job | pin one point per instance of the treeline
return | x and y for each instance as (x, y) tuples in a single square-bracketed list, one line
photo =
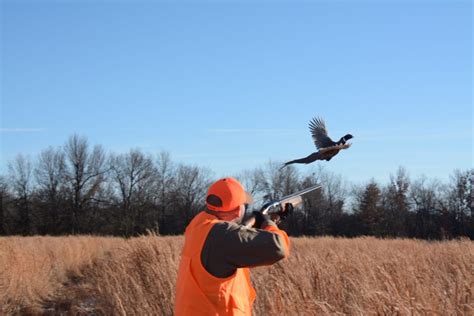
[(79, 189)]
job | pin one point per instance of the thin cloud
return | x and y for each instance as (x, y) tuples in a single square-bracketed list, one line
[(21, 130), (249, 130)]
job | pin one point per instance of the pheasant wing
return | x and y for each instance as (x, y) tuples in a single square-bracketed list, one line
[(319, 133)]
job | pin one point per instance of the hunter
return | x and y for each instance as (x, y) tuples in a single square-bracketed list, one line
[(214, 275)]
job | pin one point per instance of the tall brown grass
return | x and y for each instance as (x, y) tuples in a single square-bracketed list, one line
[(34, 269), (322, 276)]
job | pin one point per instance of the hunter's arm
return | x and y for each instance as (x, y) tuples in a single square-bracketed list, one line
[(230, 246)]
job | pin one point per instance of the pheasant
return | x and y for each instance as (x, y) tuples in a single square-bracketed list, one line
[(327, 148)]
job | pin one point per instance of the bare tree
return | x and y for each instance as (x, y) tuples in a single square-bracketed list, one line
[(335, 192), (165, 173), (308, 220), (277, 183), (427, 200), (395, 204), (85, 172), (460, 201), (254, 182), (50, 177), (132, 174), (20, 171), (4, 197), (189, 192)]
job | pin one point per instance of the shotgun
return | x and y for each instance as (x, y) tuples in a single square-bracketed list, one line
[(278, 206)]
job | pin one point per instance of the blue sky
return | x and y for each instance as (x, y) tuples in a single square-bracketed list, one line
[(232, 85)]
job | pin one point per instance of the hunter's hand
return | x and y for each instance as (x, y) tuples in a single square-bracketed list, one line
[(276, 218), (260, 218), (287, 211)]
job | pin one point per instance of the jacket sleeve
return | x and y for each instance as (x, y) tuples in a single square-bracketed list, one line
[(286, 241), (230, 246)]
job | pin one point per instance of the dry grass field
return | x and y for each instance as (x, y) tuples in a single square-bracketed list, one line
[(323, 276)]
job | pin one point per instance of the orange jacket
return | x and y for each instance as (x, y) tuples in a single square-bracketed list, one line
[(200, 293)]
